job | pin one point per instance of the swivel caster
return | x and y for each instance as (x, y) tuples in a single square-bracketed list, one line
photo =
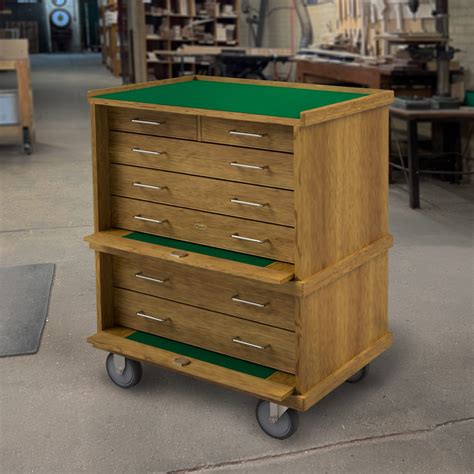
[(360, 375), (277, 421), (122, 371)]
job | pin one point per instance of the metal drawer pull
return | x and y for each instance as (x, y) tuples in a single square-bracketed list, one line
[(149, 186), (144, 277), (246, 134), (250, 167), (148, 219), (251, 303), (146, 152), (248, 239), (153, 318), (237, 340), (247, 203), (146, 122)]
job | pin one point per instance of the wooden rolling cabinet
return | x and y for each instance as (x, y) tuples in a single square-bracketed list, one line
[(241, 235)]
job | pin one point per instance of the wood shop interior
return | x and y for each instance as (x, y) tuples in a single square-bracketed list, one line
[(53, 52)]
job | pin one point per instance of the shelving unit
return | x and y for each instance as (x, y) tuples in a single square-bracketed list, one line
[(170, 24), (109, 36)]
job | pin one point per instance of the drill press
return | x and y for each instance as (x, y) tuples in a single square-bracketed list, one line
[(443, 53)]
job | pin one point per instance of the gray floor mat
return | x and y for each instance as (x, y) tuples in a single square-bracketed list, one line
[(24, 299)]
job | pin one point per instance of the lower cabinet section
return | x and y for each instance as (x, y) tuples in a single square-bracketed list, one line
[(218, 332)]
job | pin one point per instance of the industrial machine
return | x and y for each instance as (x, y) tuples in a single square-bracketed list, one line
[(63, 25)]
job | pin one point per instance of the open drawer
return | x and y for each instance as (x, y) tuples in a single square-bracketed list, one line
[(125, 243), (253, 379)]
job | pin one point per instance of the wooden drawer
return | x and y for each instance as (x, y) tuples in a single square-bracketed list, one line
[(214, 195), (163, 124), (267, 168), (214, 331), (248, 134), (207, 289), (268, 240)]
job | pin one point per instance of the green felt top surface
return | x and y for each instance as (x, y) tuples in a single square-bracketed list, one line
[(202, 249), (275, 101), (202, 354)]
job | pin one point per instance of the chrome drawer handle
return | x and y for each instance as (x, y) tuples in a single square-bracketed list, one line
[(144, 277), (146, 152), (246, 134), (153, 318), (250, 167), (237, 340), (149, 186), (146, 122), (148, 219), (248, 239), (247, 203), (236, 299)]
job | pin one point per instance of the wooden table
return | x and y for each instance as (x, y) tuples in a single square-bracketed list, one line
[(14, 57), (448, 122), (376, 77)]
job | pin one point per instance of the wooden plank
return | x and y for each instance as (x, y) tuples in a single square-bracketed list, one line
[(339, 321), (14, 48), (346, 265), (347, 108), (306, 400), (25, 98), (141, 85), (112, 341), (112, 242), (341, 188), (294, 85), (192, 111), (100, 167)]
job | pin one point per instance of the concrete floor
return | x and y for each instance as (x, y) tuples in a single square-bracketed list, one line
[(61, 414)]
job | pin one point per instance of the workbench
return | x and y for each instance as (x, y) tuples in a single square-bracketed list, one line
[(14, 57), (241, 235), (447, 122), (407, 82)]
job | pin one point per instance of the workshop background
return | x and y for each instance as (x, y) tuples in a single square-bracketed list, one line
[(58, 410)]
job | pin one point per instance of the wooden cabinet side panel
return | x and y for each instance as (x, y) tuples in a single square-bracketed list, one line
[(104, 290), (339, 321), (341, 186), (100, 167)]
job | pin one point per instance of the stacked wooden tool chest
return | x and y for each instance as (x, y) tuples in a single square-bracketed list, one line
[(254, 236)]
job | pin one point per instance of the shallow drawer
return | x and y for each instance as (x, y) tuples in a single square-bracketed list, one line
[(218, 332), (249, 134), (163, 124), (267, 168), (255, 238), (206, 289), (207, 194)]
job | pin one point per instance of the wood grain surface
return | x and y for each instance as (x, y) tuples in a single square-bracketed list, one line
[(205, 194), (207, 329)]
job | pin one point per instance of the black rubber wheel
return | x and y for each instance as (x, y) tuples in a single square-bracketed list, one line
[(286, 425), (27, 150), (131, 375), (360, 375)]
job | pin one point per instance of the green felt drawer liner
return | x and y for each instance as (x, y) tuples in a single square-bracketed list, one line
[(202, 249), (275, 101), (202, 354)]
